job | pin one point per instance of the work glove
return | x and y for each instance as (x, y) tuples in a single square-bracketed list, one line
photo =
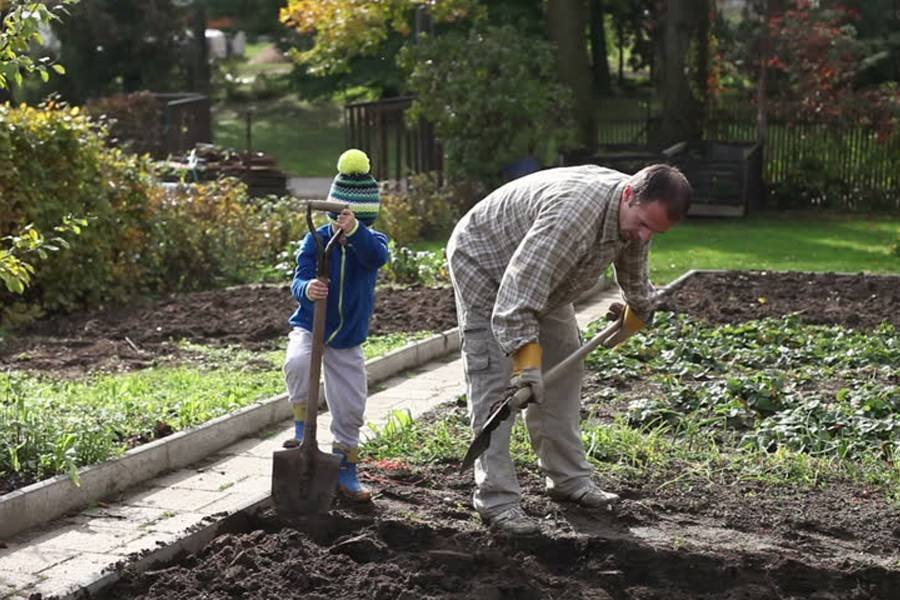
[(527, 373), (629, 323)]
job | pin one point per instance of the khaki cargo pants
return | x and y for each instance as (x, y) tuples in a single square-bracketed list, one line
[(553, 426)]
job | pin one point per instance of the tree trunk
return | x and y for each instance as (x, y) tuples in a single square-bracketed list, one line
[(682, 22), (599, 63), (566, 25)]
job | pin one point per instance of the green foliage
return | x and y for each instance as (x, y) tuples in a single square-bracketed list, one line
[(15, 271), (420, 208), (411, 267), (21, 29), (117, 46), (50, 427), (142, 237), (133, 121), (493, 97), (776, 383)]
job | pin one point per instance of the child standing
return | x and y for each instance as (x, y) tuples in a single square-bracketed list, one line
[(350, 299)]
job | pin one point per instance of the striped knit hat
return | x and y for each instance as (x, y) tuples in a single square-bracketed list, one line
[(355, 186)]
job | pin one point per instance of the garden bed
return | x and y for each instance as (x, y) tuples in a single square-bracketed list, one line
[(253, 317), (707, 512)]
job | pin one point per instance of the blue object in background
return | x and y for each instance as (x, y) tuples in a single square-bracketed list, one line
[(520, 168)]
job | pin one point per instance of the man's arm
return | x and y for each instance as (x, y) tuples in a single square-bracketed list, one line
[(633, 275), (557, 239)]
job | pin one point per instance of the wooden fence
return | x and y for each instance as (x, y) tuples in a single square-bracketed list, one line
[(396, 148), (806, 154), (865, 165)]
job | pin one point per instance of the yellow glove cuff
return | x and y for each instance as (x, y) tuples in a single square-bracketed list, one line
[(528, 356), (632, 322)]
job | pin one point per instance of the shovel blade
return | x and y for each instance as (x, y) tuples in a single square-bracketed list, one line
[(303, 481)]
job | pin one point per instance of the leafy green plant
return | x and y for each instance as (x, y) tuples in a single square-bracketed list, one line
[(411, 267), (20, 29), (493, 97), (50, 427)]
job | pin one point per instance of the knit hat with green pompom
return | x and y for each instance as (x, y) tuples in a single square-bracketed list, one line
[(355, 186)]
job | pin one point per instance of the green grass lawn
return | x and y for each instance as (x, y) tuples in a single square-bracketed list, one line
[(790, 242), (778, 242), (305, 138)]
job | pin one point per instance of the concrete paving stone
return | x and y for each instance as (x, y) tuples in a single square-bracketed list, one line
[(265, 448), (410, 391), (149, 540), (173, 499), (245, 446), (13, 580), (76, 537), (208, 478), (28, 559), (174, 523), (119, 515), (80, 570)]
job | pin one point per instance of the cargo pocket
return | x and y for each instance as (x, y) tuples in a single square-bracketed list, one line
[(475, 350)]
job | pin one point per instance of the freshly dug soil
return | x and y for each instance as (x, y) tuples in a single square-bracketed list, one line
[(858, 301), (675, 536), (663, 542), (255, 317)]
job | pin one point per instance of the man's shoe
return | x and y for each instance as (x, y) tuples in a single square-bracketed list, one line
[(513, 521), (588, 497), (349, 485)]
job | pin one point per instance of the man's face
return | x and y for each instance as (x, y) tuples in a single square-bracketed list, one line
[(641, 221)]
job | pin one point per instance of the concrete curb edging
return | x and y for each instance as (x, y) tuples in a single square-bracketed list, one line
[(49, 499)]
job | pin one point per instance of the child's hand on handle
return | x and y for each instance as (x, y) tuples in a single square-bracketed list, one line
[(346, 221), (317, 290)]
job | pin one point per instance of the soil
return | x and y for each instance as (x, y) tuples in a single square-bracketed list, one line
[(857, 301), (422, 540), (675, 536), (254, 317)]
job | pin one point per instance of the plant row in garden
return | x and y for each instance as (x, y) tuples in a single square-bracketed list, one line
[(775, 401), (48, 426)]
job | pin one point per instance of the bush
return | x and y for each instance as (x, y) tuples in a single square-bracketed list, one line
[(421, 208), (131, 121), (409, 267), (493, 96), (140, 238)]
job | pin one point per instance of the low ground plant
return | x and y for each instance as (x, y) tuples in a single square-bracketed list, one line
[(50, 426)]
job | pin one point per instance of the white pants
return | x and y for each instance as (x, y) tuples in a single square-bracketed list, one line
[(554, 426), (346, 389)]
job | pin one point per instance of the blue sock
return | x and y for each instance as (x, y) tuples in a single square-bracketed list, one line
[(298, 431)]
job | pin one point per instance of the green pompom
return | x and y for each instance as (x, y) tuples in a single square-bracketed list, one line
[(353, 161)]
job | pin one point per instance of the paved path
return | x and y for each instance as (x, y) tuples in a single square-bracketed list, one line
[(72, 552)]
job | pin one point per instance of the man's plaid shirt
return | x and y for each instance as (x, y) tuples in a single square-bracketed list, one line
[(539, 242)]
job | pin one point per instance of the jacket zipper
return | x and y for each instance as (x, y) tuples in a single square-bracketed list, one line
[(340, 297)]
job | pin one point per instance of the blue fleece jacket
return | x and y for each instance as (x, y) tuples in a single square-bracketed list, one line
[(351, 294)]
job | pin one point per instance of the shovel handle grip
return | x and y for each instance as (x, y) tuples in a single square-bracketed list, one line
[(327, 205)]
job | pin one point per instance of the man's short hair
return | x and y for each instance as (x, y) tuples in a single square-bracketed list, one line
[(666, 184)]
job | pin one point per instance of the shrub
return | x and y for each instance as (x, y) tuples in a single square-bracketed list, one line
[(493, 96), (420, 208), (131, 121), (140, 238), (409, 267)]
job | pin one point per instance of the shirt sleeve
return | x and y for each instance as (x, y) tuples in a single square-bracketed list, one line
[(370, 247), (305, 270), (633, 275), (556, 241)]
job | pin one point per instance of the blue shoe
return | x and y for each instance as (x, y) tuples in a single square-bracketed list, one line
[(298, 436), (348, 479)]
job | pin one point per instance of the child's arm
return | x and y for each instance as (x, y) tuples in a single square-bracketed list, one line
[(370, 247), (305, 271)]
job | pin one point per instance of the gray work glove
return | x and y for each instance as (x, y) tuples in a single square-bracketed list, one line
[(527, 378)]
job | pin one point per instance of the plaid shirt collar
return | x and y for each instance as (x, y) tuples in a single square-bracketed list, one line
[(610, 232)]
